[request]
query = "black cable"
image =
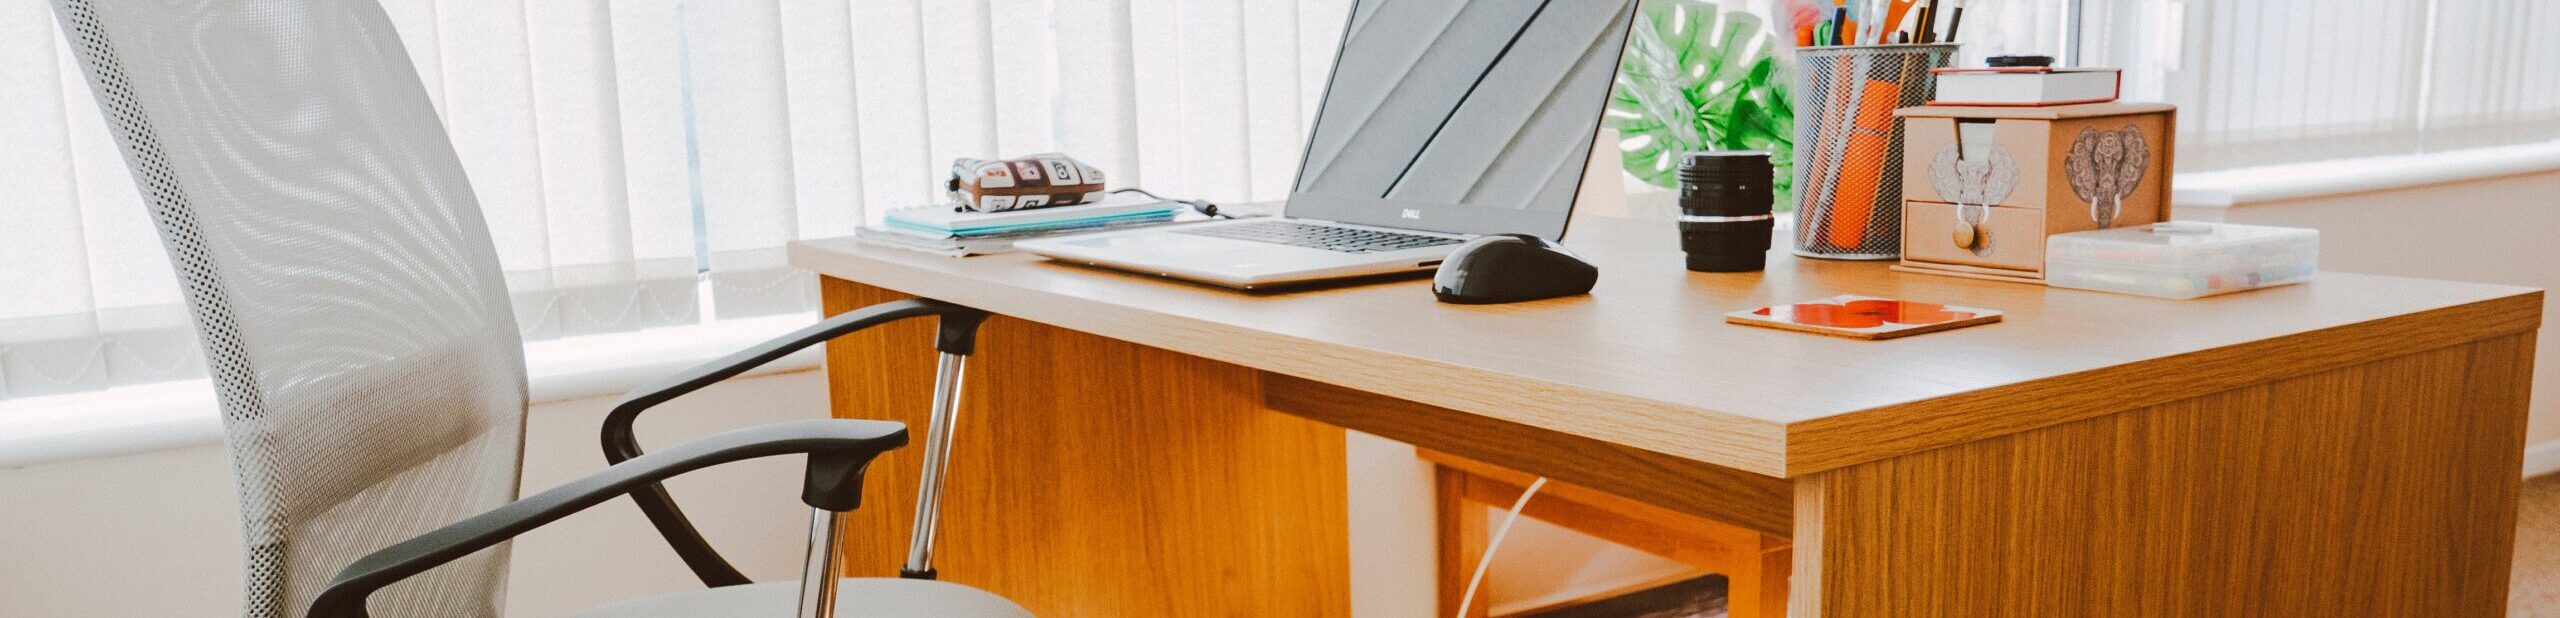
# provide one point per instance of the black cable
(1204, 206)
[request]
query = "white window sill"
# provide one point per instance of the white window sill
(2275, 183)
(133, 419)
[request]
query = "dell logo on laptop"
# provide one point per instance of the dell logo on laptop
(1413, 213)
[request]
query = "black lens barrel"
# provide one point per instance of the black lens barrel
(1725, 198)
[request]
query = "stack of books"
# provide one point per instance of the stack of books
(942, 229)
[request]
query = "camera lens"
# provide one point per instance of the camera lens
(1725, 221)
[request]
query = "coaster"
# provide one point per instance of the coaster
(1864, 317)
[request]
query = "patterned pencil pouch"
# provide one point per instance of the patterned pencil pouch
(1036, 181)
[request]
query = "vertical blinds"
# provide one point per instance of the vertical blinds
(628, 152)
(87, 291)
(2275, 81)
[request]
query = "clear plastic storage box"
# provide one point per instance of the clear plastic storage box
(2182, 259)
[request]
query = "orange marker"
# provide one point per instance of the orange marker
(1854, 203)
(1893, 16)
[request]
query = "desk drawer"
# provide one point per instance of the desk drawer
(2013, 237)
(2025, 143)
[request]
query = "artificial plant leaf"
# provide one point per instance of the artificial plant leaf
(1696, 77)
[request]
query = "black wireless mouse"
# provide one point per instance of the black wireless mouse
(1510, 268)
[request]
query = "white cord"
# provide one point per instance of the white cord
(1203, 206)
(1468, 602)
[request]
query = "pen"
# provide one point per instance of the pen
(1929, 23)
(1839, 18)
(1866, 21)
(1858, 22)
(1853, 26)
(1954, 21)
(1884, 24)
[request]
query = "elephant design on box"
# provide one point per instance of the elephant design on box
(2104, 167)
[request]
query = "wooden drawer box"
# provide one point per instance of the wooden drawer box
(2026, 173)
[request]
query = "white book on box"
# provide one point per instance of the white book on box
(2026, 86)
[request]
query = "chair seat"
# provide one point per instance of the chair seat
(866, 597)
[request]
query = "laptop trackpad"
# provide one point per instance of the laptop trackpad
(1159, 244)
(1205, 252)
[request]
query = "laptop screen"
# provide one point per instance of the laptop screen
(1461, 117)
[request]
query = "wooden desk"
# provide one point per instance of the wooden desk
(1136, 446)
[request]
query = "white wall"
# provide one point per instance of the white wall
(81, 538)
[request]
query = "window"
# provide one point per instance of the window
(2277, 81)
(643, 161)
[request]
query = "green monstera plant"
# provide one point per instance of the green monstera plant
(1696, 77)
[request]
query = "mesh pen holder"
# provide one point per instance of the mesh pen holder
(1848, 166)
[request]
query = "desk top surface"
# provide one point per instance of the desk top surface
(1648, 361)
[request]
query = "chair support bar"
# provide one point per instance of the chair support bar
(941, 424)
(818, 575)
(958, 334)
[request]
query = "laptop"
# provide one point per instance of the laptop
(1442, 121)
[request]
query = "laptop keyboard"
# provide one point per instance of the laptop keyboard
(1326, 237)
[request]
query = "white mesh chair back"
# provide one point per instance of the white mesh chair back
(339, 272)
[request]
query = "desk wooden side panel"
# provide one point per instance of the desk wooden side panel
(1094, 477)
(2386, 488)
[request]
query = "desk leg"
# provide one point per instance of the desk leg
(1094, 477)
(1464, 529)
(2382, 489)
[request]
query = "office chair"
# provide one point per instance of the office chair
(359, 336)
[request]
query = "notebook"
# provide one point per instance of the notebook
(983, 243)
(946, 218)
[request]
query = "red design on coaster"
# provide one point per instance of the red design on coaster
(1864, 317)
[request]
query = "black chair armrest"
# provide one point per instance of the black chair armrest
(838, 449)
(958, 335)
